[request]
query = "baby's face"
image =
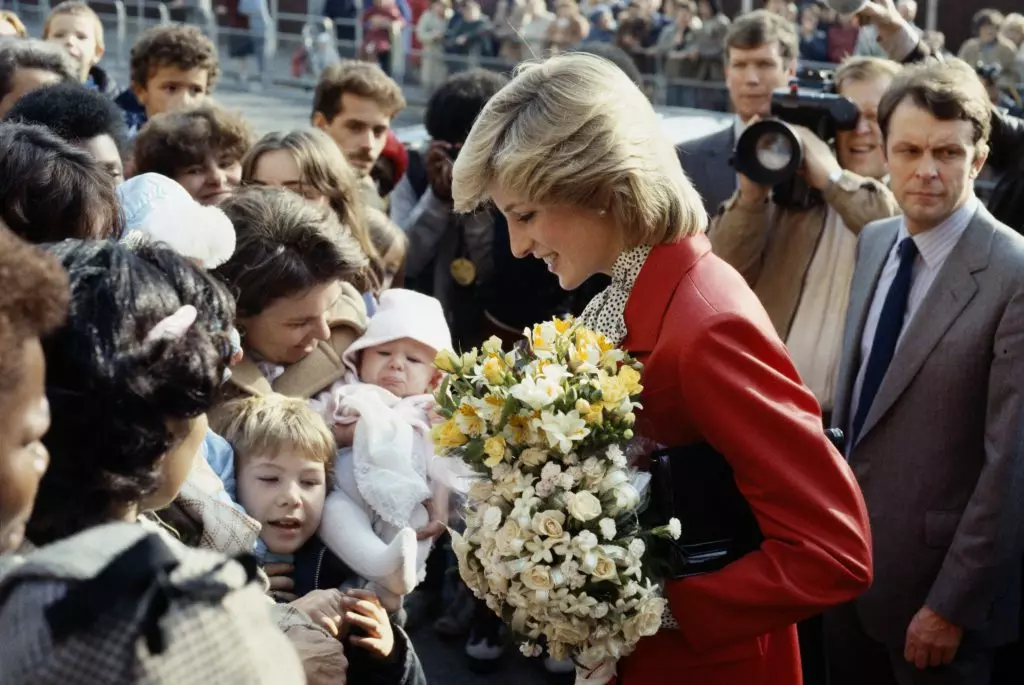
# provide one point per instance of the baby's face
(285, 492)
(404, 367)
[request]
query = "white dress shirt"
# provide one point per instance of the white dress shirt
(933, 246)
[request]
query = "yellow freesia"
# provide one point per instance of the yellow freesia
(445, 361)
(494, 448)
(492, 345)
(493, 371)
(448, 435)
(468, 420)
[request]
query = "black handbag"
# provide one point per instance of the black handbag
(695, 484)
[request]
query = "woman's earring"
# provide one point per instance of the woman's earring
(602, 212)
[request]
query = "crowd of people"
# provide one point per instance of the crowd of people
(216, 351)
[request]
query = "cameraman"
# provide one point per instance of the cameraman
(1006, 143)
(800, 261)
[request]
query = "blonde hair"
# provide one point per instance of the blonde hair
(12, 19)
(575, 130)
(858, 69)
(266, 424)
(75, 8)
(323, 168)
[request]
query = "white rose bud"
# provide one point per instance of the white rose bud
(604, 569)
(481, 490)
(607, 527)
(549, 523)
(586, 541)
(537, 578)
(492, 518)
(584, 507)
(626, 497)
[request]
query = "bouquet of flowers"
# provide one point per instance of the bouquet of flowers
(553, 542)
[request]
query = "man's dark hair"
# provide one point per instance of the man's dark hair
(949, 90)
(184, 47)
(617, 56)
(75, 113)
(51, 190)
(24, 53)
(113, 394)
(454, 106)
(761, 27)
(359, 78)
(284, 246)
(171, 141)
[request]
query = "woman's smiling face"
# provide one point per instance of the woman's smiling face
(574, 242)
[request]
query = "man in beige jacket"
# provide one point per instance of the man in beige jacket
(800, 261)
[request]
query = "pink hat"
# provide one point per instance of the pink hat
(403, 314)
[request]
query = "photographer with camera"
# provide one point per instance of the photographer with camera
(1006, 156)
(799, 257)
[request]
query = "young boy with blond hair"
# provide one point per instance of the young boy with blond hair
(76, 28)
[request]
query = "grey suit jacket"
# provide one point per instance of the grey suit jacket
(706, 162)
(939, 457)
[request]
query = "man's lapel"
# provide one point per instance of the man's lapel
(954, 287)
(875, 247)
(720, 171)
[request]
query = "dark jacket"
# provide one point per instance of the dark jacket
(134, 113)
(100, 80)
(317, 568)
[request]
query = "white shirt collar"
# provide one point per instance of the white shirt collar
(935, 244)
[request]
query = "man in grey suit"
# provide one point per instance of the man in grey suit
(761, 50)
(930, 393)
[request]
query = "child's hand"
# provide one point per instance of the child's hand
(363, 610)
(434, 416)
(344, 434)
(281, 583)
(323, 607)
(431, 531)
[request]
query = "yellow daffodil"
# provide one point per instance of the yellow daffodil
(494, 448)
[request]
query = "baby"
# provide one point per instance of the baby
(282, 462)
(386, 474)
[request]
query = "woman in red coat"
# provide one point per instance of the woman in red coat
(569, 151)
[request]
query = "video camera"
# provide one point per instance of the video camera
(770, 152)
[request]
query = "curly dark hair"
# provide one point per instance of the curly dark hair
(33, 301)
(74, 113)
(454, 106)
(184, 47)
(51, 190)
(284, 245)
(172, 141)
(112, 393)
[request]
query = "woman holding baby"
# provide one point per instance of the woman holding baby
(569, 153)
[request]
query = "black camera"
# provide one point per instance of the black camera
(770, 152)
(988, 73)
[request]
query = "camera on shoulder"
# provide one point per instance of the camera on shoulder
(770, 152)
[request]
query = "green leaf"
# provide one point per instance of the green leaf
(473, 450)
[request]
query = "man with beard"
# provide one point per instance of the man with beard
(354, 104)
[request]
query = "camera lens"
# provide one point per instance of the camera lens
(774, 151)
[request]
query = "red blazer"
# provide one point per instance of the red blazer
(716, 371)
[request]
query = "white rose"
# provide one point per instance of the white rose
(492, 518)
(649, 615)
(533, 457)
(626, 497)
(549, 523)
(614, 479)
(509, 539)
(571, 633)
(583, 506)
(604, 569)
(607, 527)
(537, 578)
